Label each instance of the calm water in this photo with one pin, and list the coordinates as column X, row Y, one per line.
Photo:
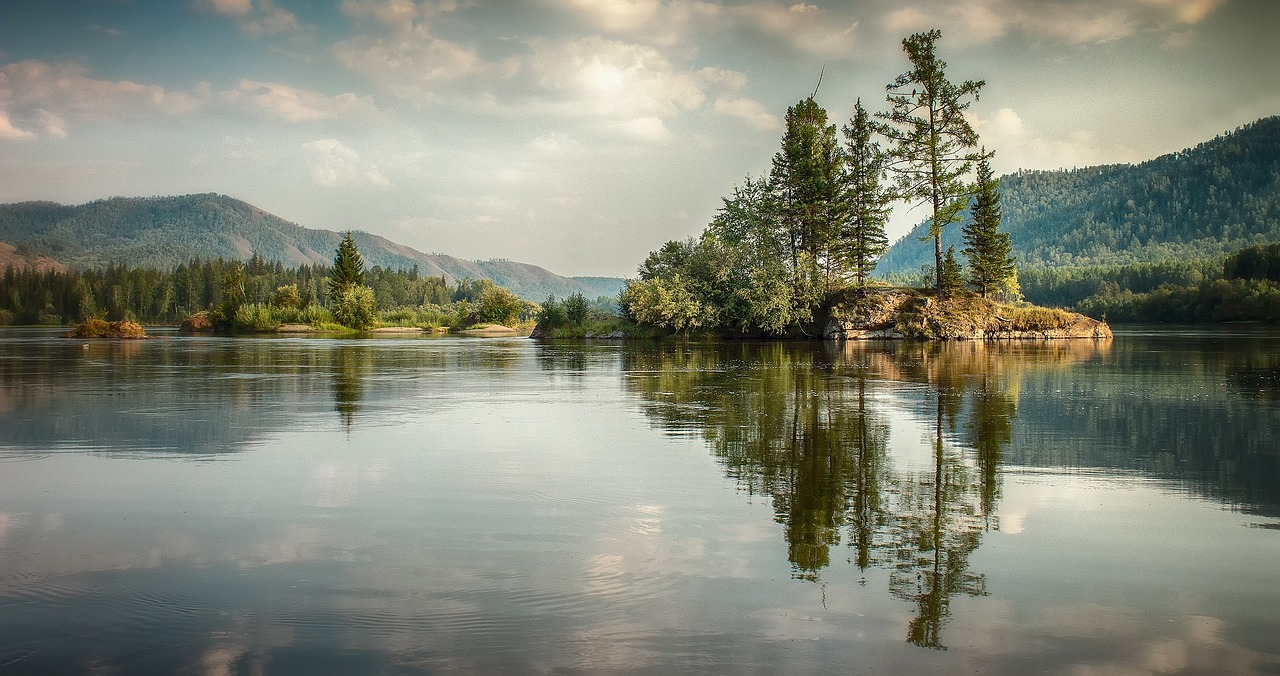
column 309, row 506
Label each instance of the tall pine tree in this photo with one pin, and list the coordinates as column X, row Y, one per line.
column 348, row 267
column 804, row 177
column 866, row 202
column 991, row 266
column 932, row 146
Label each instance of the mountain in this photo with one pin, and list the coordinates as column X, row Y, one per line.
column 162, row 232
column 1202, row 202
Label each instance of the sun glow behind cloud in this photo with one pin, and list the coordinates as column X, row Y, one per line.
column 569, row 115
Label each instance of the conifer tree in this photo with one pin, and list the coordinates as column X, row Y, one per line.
column 990, row 264
column 866, row 202
column 951, row 277
column 348, row 267
column 804, row 178
column 932, row 146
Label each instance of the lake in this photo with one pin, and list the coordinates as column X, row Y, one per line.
column 212, row 505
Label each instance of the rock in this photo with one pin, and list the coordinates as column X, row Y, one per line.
column 200, row 322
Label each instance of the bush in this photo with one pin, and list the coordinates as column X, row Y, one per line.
column 356, row 308
column 315, row 315
column 576, row 309
column 255, row 317
column 287, row 296
column 551, row 315
column 499, row 306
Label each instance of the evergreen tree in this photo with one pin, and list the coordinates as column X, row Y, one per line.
column 933, row 145
column 988, row 250
column 805, row 176
column 951, row 277
column 348, row 267
column 866, row 202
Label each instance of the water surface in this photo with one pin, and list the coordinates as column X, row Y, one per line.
column 419, row 505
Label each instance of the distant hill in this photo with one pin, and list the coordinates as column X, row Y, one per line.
column 1216, row 198
column 165, row 231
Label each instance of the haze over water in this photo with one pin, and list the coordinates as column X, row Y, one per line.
column 293, row 505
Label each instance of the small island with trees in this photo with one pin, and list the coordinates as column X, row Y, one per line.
column 790, row 254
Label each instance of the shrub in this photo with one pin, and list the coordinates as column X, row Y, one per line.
column 315, row 315
column 356, row 308
column 576, row 309
column 551, row 314
column 256, row 317
column 287, row 296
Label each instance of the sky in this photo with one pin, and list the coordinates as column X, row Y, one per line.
column 574, row 134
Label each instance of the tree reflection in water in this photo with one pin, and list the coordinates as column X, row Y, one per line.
column 351, row 366
column 809, row 426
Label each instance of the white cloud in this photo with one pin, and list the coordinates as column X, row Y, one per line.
column 294, row 105
column 264, row 19
column 1078, row 23
column 228, row 7
column 1017, row 148
column 43, row 96
column 751, row 111
column 646, row 129
column 9, row 132
column 333, row 165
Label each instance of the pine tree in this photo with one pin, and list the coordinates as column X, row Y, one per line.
column 932, row 144
column 804, row 178
column 348, row 267
column 866, row 202
column 950, row 277
column 990, row 264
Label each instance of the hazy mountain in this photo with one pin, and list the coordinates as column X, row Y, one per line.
column 1218, row 197
column 164, row 231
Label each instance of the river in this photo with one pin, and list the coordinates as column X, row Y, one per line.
column 213, row 505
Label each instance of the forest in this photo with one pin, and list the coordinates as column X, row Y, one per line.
column 259, row 293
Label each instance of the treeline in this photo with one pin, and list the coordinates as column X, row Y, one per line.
column 158, row 296
column 1244, row 286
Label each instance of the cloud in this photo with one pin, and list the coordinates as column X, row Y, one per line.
column 751, row 111
column 333, row 165
column 39, row 98
column 39, row 94
column 1076, row 23
column 294, row 105
column 646, row 129
column 1017, row 148
column 228, row 7
column 802, row 27
column 9, row 132
column 264, row 19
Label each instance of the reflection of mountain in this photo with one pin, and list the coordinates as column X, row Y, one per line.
column 1198, row 418
column 801, row 423
column 188, row 395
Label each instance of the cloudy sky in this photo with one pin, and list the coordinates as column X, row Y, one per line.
column 573, row 134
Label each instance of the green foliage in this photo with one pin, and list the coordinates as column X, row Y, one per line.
column 952, row 277
column 861, row 239
column 668, row 302
column 287, row 296
column 575, row 309
column 931, row 143
column 348, row 267
column 805, row 181
column 1256, row 262
column 499, row 306
column 233, row 288
column 991, row 268
column 551, row 313
column 356, row 308
column 255, row 317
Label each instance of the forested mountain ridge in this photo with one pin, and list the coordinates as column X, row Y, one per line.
column 1215, row 198
column 162, row 232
